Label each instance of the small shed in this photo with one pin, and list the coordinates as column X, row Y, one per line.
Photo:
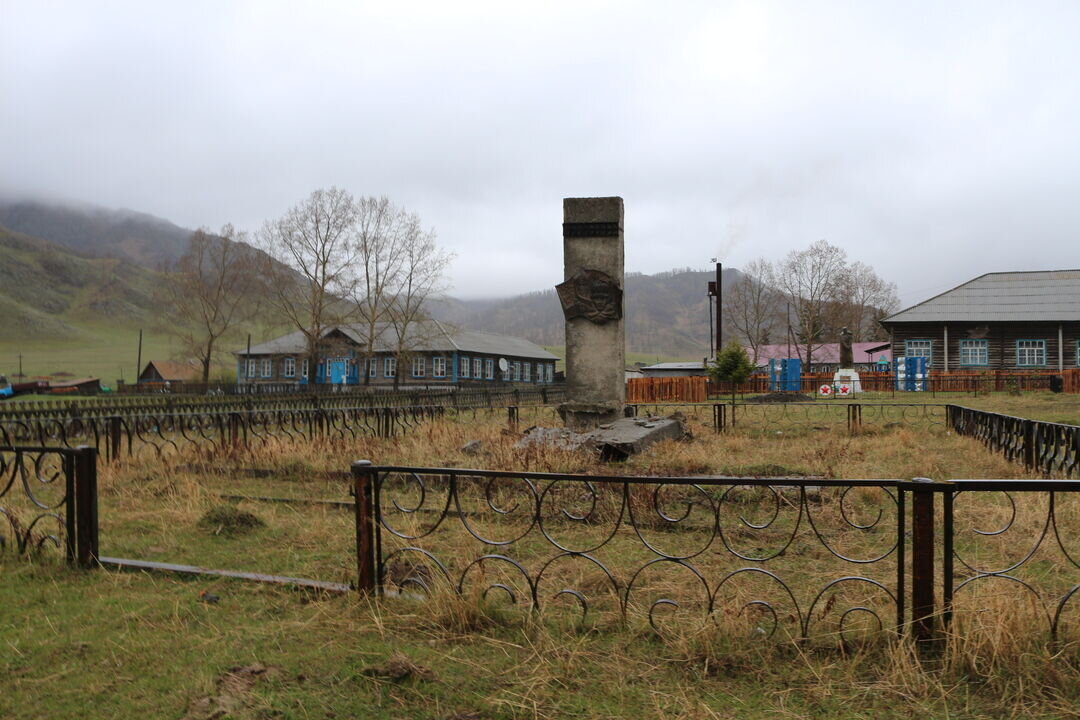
column 162, row 371
column 675, row 369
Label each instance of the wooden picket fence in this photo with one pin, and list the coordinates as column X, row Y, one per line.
column 670, row 389
column 1071, row 380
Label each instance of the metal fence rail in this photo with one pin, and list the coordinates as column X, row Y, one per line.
column 514, row 534
column 644, row 545
column 1043, row 447
column 460, row 398
column 48, row 498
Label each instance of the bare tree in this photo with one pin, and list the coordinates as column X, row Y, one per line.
column 311, row 269
column 212, row 288
column 753, row 305
column 811, row 279
column 864, row 299
column 381, row 228
column 421, row 275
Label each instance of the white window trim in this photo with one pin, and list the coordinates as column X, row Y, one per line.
column 1036, row 346
column 981, row 349
column 478, row 368
column 419, row 366
column 304, row 368
column 526, row 372
column 252, row 368
column 267, row 367
column 438, row 367
column 288, row 367
column 489, row 368
column 517, row 371
column 463, row 366
column 390, row 366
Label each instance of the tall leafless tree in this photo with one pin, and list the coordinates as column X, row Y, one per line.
column 753, row 305
column 811, row 279
column 211, row 290
column 381, row 228
column 421, row 275
column 864, row 298
column 312, row 265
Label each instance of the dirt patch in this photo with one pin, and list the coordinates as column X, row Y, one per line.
column 399, row 668
column 780, row 397
column 232, row 692
column 229, row 520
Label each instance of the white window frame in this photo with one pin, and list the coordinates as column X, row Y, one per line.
column 517, row 371
column 419, row 366
column 489, row 368
column 268, row 367
column 478, row 368
column 304, row 368
column 438, row 367
column 526, row 372
column 252, row 367
column 390, row 366
column 288, row 367
column 372, row 366
column 979, row 349
column 920, row 347
column 1030, row 350
column 463, row 367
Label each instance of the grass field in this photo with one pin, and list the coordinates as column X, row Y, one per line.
column 109, row 644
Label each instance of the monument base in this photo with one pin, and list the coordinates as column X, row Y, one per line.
column 583, row 417
column 849, row 379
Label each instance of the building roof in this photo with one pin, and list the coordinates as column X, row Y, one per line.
column 428, row 336
column 1041, row 296
column 827, row 354
column 174, row 371
column 697, row 365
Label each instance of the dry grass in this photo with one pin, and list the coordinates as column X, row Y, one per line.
column 995, row 660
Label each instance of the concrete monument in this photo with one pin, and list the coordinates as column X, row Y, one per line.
column 845, row 378
column 592, row 302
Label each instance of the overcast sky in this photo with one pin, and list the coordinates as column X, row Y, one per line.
column 934, row 141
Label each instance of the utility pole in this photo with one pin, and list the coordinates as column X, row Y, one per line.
column 138, row 362
column 719, row 309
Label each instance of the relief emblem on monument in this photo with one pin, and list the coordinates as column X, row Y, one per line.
column 593, row 295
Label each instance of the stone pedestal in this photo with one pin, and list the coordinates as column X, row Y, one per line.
column 592, row 301
column 847, row 378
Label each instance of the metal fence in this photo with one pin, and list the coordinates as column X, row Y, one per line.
column 48, row 499
column 459, row 398
column 811, row 559
column 1044, row 447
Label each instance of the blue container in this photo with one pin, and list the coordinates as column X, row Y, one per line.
column 785, row 375
column 911, row 374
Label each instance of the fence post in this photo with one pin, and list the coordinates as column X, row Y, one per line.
column 512, row 418
column 363, row 481
column 114, row 438
column 86, row 510
column 1029, row 445
column 922, row 559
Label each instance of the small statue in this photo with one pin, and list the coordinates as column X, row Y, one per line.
column 846, row 359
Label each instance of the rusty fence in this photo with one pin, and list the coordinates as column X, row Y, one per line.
column 815, row 560
column 456, row 398
column 1043, row 447
column 48, row 501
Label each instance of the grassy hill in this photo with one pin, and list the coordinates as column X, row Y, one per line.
column 98, row 232
column 667, row 314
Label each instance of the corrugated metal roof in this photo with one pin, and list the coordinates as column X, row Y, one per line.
column 430, row 336
column 1046, row 296
column 676, row 366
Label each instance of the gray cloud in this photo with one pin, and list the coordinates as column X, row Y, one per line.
column 933, row 141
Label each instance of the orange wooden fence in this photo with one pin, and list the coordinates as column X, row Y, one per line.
column 671, row 389
column 699, row 389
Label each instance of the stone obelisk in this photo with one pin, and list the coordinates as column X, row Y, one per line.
column 592, row 302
